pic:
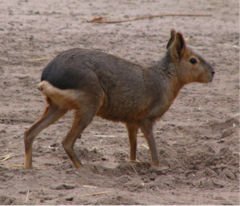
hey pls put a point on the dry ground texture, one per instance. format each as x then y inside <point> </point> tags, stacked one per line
<point>198,138</point>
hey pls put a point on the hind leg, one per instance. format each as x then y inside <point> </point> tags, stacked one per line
<point>50,115</point>
<point>83,117</point>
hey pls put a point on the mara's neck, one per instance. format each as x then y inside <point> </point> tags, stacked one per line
<point>168,73</point>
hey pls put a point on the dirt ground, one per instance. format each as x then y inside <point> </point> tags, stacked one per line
<point>198,138</point>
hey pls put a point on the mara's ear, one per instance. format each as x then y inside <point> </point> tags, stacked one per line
<point>172,38</point>
<point>176,46</point>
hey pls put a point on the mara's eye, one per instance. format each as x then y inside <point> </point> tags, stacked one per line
<point>193,60</point>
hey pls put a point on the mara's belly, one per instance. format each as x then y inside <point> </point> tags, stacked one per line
<point>124,111</point>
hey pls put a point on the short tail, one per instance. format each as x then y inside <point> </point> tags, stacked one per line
<point>67,98</point>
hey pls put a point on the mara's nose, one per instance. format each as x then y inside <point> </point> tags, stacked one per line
<point>213,72</point>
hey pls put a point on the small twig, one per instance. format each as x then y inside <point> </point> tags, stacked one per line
<point>27,196</point>
<point>139,161</point>
<point>145,146</point>
<point>39,59</point>
<point>94,194</point>
<point>90,186</point>
<point>16,165</point>
<point>102,19</point>
<point>6,157</point>
<point>13,165</point>
<point>141,134</point>
<point>236,115</point>
<point>104,136</point>
<point>134,169</point>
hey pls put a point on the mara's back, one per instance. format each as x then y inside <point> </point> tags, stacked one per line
<point>73,64</point>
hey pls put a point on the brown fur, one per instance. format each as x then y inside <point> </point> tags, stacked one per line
<point>115,89</point>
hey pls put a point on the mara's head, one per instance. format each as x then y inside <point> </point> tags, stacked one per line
<point>190,67</point>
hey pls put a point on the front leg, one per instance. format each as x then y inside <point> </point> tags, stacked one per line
<point>146,127</point>
<point>132,135</point>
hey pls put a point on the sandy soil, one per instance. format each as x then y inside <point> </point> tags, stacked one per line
<point>198,138</point>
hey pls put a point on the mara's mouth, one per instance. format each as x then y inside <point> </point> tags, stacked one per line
<point>213,73</point>
<point>210,77</point>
